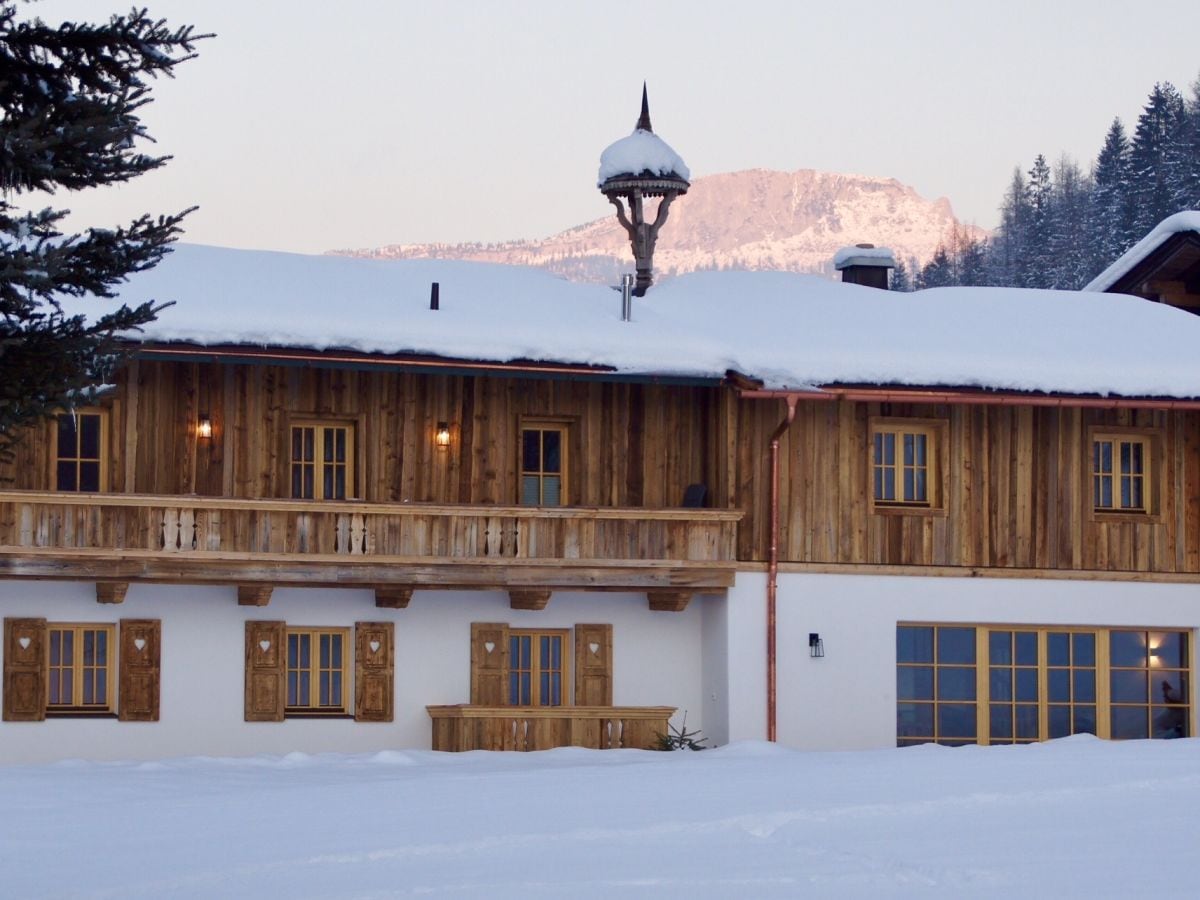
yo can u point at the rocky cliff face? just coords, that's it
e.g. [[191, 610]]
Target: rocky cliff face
[[758, 219]]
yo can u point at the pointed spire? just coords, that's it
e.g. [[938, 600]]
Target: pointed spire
[[643, 122]]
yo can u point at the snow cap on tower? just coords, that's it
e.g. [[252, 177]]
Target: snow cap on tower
[[642, 154]]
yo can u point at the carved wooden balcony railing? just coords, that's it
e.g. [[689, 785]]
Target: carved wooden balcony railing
[[188, 538], [466, 727]]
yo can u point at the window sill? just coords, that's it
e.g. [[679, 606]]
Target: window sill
[[1125, 517], [906, 509], [289, 714], [80, 714]]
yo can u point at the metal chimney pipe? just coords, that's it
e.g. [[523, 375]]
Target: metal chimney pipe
[[626, 298], [433, 296]]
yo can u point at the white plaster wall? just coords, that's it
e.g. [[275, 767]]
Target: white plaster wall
[[847, 700], [656, 661]]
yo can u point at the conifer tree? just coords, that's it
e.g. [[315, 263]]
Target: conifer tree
[[70, 98], [1112, 205], [1153, 182], [900, 277], [1185, 154]]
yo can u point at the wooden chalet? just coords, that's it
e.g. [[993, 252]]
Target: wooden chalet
[[334, 537]]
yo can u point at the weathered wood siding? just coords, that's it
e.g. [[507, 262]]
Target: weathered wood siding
[[1017, 490], [630, 445]]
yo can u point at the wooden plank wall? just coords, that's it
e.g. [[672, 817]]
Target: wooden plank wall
[[1017, 482], [634, 445]]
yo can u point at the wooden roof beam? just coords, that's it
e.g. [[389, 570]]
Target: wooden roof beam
[[535, 598], [254, 594], [111, 591], [669, 601], [393, 596]]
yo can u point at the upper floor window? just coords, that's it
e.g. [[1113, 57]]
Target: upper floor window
[[543, 463], [1121, 473], [904, 463], [322, 460], [80, 459]]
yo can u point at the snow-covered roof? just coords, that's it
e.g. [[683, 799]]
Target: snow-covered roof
[[864, 255], [1188, 220], [642, 151], [791, 331]]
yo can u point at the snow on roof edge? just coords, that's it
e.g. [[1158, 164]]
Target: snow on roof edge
[[1187, 220]]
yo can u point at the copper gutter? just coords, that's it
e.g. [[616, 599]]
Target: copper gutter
[[773, 565], [970, 398]]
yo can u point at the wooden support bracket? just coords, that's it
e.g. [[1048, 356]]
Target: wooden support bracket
[[111, 591], [669, 601], [529, 599], [254, 594], [393, 596]]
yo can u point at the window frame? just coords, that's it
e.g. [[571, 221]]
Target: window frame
[[937, 490], [103, 460], [1151, 443], [542, 424], [352, 464], [1102, 667], [109, 708], [314, 670], [566, 656]]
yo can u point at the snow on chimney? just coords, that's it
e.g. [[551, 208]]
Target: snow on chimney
[[865, 264]]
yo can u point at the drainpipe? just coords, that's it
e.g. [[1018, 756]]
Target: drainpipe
[[773, 563]]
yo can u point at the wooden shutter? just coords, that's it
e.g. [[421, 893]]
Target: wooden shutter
[[489, 665], [593, 665], [24, 670], [374, 671], [266, 665], [139, 668]]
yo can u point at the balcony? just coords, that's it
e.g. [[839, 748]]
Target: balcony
[[396, 548], [467, 727]]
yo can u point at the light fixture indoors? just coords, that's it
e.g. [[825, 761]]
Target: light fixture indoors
[[442, 436], [816, 646], [204, 428]]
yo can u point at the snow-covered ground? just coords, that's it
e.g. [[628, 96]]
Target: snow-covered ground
[[1071, 818]]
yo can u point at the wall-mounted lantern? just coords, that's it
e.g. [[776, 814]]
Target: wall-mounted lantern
[[204, 426], [441, 437], [816, 646]]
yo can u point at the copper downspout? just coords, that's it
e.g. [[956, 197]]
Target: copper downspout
[[773, 563]]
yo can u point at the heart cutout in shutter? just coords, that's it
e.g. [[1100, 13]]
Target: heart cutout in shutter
[[374, 645], [24, 642], [140, 643], [266, 645], [594, 647], [489, 646]]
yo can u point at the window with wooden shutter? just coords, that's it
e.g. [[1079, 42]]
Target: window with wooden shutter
[[265, 660], [322, 460], [139, 667], [532, 667], [537, 666], [24, 670], [80, 668], [374, 671], [317, 680], [80, 450]]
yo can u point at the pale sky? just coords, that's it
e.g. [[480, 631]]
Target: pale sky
[[309, 126]]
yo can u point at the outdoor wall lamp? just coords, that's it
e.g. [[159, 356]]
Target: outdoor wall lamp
[[816, 646], [204, 426], [441, 437]]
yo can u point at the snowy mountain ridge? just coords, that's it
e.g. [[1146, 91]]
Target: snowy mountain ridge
[[756, 219]]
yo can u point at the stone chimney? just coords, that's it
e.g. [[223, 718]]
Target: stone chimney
[[865, 264]]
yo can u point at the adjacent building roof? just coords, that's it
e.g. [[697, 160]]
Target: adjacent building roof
[[1180, 223], [790, 331]]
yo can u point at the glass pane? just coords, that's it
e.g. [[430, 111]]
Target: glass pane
[[323, 689], [1027, 721], [1172, 687], [1085, 685], [914, 719], [551, 490], [339, 483], [335, 696], [305, 695], [919, 444], [1168, 648], [1027, 684], [68, 439], [327, 482], [1169, 722], [914, 683], [297, 444], [889, 449], [55, 647], [89, 437], [910, 485], [305, 651], [66, 476], [336, 640], [297, 482], [1027, 651], [1129, 687], [956, 720], [956, 645], [551, 451], [89, 476], [914, 643], [531, 450], [67, 689], [514, 698], [309, 477], [1059, 721], [1058, 684], [909, 451], [325, 650], [922, 490], [68, 648], [89, 687], [531, 494], [1085, 720], [1129, 722], [89, 648], [339, 445], [310, 441], [1083, 649], [102, 648], [293, 694], [556, 690], [544, 688], [526, 689], [1058, 649], [1000, 684], [879, 483], [1001, 720], [1127, 648], [1000, 647]]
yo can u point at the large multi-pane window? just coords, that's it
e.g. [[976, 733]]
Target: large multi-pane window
[[79, 444], [535, 667], [79, 668], [1120, 473], [543, 464], [322, 461], [904, 466], [316, 670], [959, 684]]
